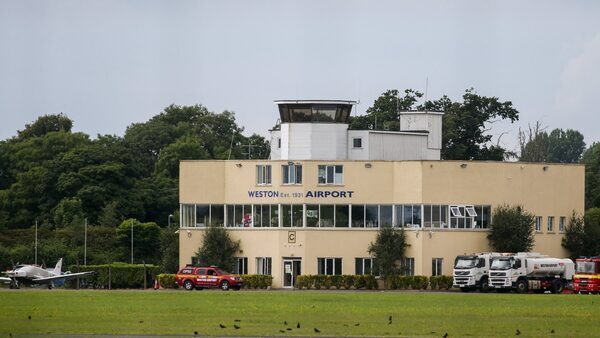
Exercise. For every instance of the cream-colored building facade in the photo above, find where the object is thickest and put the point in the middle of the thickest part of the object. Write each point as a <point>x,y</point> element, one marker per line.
<point>325,221</point>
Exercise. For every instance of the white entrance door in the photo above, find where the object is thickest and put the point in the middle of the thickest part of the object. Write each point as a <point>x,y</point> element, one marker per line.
<point>291,270</point>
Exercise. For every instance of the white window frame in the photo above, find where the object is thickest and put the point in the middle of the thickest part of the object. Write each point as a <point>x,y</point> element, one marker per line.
<point>538,223</point>
<point>330,261</point>
<point>550,224</point>
<point>264,265</point>
<point>410,262</point>
<point>470,211</point>
<point>362,261</point>
<point>328,168</point>
<point>360,140</point>
<point>434,263</point>
<point>292,171</point>
<point>244,265</point>
<point>263,174</point>
<point>455,213</point>
<point>561,223</point>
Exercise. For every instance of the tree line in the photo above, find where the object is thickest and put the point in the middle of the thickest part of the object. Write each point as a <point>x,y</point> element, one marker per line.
<point>63,179</point>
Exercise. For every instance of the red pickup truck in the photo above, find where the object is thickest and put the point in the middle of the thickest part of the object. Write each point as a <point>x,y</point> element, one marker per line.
<point>207,277</point>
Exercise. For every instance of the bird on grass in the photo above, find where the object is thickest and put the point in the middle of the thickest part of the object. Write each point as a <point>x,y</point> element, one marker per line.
<point>195,333</point>
<point>281,331</point>
<point>317,330</point>
<point>357,324</point>
<point>445,335</point>
<point>285,322</point>
<point>237,320</point>
<point>298,326</point>
<point>141,322</point>
<point>222,326</point>
<point>236,327</point>
<point>29,317</point>
<point>552,331</point>
<point>289,329</point>
<point>390,319</point>
<point>517,333</point>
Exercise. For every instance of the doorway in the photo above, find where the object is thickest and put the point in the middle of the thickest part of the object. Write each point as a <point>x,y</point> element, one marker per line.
<point>292,268</point>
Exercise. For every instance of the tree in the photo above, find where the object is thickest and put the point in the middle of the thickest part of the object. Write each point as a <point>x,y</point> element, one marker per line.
<point>217,248</point>
<point>557,147</point>
<point>574,239</point>
<point>387,250</point>
<point>533,144</point>
<point>591,159</point>
<point>169,249</point>
<point>464,135</point>
<point>591,229</point>
<point>146,240</point>
<point>384,113</point>
<point>511,229</point>
<point>46,124</point>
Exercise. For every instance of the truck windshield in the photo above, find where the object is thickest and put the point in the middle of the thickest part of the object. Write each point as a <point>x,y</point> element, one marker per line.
<point>465,263</point>
<point>586,267</point>
<point>501,264</point>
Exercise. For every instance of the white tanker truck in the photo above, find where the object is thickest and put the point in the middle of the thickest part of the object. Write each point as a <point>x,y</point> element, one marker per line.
<point>526,271</point>
<point>471,272</point>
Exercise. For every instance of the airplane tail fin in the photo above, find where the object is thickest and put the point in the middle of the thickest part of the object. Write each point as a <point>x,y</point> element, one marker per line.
<point>58,268</point>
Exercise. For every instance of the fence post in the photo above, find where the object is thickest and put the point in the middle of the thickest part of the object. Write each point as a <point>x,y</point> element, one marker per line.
<point>109,277</point>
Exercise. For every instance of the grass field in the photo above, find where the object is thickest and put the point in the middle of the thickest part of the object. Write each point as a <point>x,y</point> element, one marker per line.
<point>334,313</point>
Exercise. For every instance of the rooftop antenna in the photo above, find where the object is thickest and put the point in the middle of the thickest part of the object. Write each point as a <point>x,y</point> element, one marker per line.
<point>426,88</point>
<point>249,153</point>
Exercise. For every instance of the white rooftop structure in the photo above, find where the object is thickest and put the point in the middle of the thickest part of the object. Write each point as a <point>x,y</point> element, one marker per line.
<point>318,130</point>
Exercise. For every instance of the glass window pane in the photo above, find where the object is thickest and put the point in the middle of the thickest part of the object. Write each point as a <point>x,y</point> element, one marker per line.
<point>286,214</point>
<point>386,215</point>
<point>322,174</point>
<point>230,216</point>
<point>367,266</point>
<point>417,215</point>
<point>329,266</point>
<point>285,170</point>
<point>358,216</point>
<point>274,215</point>
<point>297,215</point>
<point>217,214</point>
<point>358,266</point>
<point>326,217</point>
<point>202,212</point>
<point>298,174</point>
<point>258,215</point>
<point>330,174</point>
<point>427,217</point>
<point>339,174</point>
<point>399,216</point>
<point>408,212</point>
<point>372,216</point>
<point>338,266</point>
<point>444,216</point>
<point>341,215</point>
<point>312,215</point>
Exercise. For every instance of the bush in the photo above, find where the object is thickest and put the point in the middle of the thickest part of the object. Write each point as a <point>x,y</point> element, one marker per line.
<point>392,282</point>
<point>336,281</point>
<point>167,281</point>
<point>359,282</point>
<point>419,282</point>
<point>319,281</point>
<point>122,275</point>
<point>434,282</point>
<point>347,281</point>
<point>257,281</point>
<point>370,282</point>
<point>446,282</point>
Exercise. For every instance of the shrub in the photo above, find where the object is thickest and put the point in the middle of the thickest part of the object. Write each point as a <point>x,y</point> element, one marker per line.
<point>347,281</point>
<point>360,282</point>
<point>434,282</point>
<point>393,282</point>
<point>446,282</point>
<point>319,281</point>
<point>336,281</point>
<point>257,281</point>
<point>419,282</point>
<point>167,281</point>
<point>122,275</point>
<point>370,282</point>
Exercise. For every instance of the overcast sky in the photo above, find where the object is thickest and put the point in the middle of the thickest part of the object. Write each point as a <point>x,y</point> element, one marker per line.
<point>107,64</point>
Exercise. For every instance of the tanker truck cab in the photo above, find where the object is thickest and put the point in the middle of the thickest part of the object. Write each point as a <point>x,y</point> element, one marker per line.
<point>471,272</point>
<point>504,272</point>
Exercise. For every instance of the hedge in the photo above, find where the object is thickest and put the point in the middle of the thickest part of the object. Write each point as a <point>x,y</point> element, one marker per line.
<point>167,281</point>
<point>122,275</point>
<point>257,281</point>
<point>368,282</point>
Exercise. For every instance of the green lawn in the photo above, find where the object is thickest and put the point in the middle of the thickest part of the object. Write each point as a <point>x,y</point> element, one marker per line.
<point>264,312</point>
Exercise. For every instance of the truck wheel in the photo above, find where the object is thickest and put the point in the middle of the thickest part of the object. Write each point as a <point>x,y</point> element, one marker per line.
<point>522,286</point>
<point>188,285</point>
<point>557,286</point>
<point>224,285</point>
<point>485,285</point>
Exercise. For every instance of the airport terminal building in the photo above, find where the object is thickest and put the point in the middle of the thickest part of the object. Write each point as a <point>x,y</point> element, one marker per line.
<point>317,204</point>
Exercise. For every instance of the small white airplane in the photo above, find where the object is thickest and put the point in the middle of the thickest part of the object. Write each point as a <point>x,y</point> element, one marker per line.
<point>32,274</point>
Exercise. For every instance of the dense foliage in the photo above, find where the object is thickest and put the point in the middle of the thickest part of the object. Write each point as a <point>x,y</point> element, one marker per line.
<point>512,229</point>
<point>559,146</point>
<point>387,250</point>
<point>217,248</point>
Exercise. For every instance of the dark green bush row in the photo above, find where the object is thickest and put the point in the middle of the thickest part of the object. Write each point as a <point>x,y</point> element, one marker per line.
<point>257,281</point>
<point>122,275</point>
<point>167,281</point>
<point>337,281</point>
<point>419,282</point>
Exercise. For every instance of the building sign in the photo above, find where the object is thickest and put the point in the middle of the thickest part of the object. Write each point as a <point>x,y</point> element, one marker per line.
<point>291,237</point>
<point>309,194</point>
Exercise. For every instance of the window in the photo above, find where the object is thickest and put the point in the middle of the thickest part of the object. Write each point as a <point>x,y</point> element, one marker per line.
<point>265,215</point>
<point>462,216</point>
<point>312,215</point>
<point>358,216</point>
<point>407,266</point>
<point>363,266</point>
<point>292,215</point>
<point>292,174</point>
<point>326,218</point>
<point>217,215</point>
<point>202,215</point>
<point>327,215</point>
<point>278,143</point>
<point>385,215</point>
<point>435,216</point>
<point>342,215</point>
<point>550,224</point>
<point>263,174</point>
<point>331,174</point>
<point>484,215</point>
<point>408,215</point>
<point>561,223</point>
<point>436,266</point>
<point>187,215</point>
<point>241,265</point>
<point>329,266</point>
<point>263,265</point>
<point>357,142</point>
<point>239,215</point>
<point>538,223</point>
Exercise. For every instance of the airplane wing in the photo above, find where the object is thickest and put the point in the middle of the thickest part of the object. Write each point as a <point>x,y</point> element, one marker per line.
<point>5,280</point>
<point>65,276</point>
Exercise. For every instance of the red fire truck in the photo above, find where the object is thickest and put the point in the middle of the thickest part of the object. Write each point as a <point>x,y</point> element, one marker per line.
<point>587,275</point>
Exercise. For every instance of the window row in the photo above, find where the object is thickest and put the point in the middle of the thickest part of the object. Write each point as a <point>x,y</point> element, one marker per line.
<point>562,223</point>
<point>328,266</point>
<point>292,174</point>
<point>338,215</point>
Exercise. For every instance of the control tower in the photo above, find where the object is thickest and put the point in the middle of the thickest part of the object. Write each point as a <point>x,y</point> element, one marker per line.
<point>318,130</point>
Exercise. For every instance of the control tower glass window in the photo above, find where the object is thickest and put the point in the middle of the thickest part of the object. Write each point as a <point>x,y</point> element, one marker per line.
<point>314,112</point>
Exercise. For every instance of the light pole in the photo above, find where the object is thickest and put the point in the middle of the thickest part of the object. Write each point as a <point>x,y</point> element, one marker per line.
<point>132,242</point>
<point>85,243</point>
<point>169,220</point>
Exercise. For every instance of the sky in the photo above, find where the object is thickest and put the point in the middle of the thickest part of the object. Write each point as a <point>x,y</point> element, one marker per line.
<point>108,64</point>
